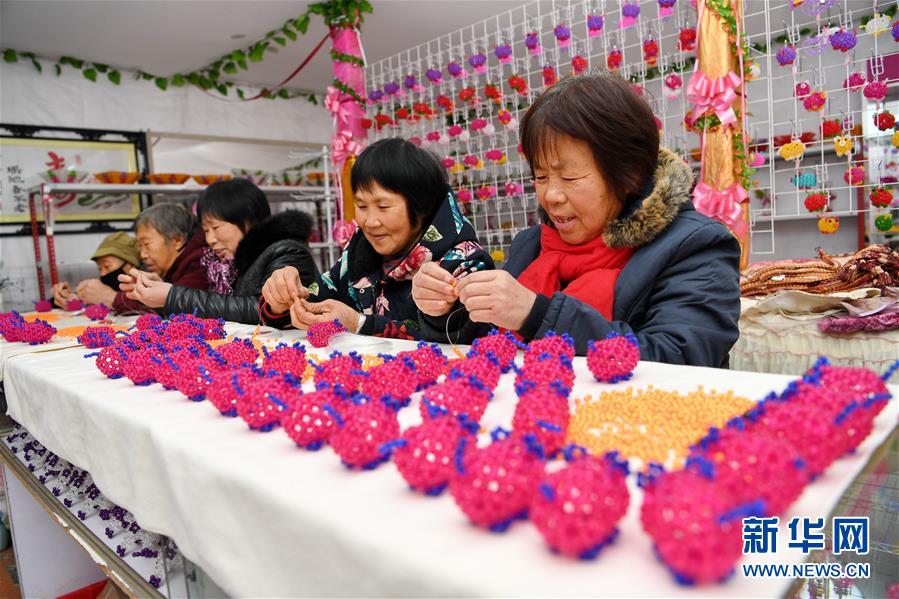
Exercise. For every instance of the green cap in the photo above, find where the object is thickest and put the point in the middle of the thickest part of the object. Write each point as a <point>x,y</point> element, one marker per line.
<point>120,245</point>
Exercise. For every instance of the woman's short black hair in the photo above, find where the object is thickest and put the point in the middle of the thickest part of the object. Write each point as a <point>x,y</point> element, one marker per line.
<point>402,167</point>
<point>603,110</point>
<point>236,201</point>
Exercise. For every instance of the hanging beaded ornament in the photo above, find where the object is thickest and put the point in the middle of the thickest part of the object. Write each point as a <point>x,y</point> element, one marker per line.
<point>504,346</point>
<point>544,413</point>
<point>96,311</point>
<point>425,454</point>
<point>456,397</point>
<point>613,359</point>
<point>875,91</point>
<point>786,56</point>
<point>366,427</point>
<point>594,25</point>
<point>311,419</point>
<point>73,305</point>
<point>577,508</point>
<point>494,485</point>
<point>549,76</point>
<point>695,525</point>
<point>319,334</point>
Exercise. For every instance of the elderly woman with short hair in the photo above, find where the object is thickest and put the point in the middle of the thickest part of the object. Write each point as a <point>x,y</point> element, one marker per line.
<point>171,247</point>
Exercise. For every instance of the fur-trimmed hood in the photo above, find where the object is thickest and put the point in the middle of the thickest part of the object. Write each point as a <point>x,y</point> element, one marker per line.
<point>290,224</point>
<point>645,219</point>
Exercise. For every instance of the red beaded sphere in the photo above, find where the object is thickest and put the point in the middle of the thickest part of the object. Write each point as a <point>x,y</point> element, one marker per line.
<point>426,455</point>
<point>37,332</point>
<point>196,379</point>
<point>430,363</point>
<point>319,334</point>
<point>455,397</point>
<point>503,346</point>
<point>484,368</point>
<point>140,367</point>
<point>310,420</point>
<point>365,429</point>
<point>577,508</point>
<point>111,361</point>
<point>43,306</point>
<point>394,379</point>
<point>546,369</point>
<point>614,358</point>
<point>685,514</point>
<point>238,352</point>
<point>147,321</point>
<point>552,344</point>
<point>97,337</point>
<point>496,483</point>
<point>264,401</point>
<point>544,413</point>
<point>226,387</point>
<point>286,359</point>
<point>340,370</point>
<point>96,311</point>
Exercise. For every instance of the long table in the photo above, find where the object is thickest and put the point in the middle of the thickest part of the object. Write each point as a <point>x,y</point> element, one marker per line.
<point>264,518</point>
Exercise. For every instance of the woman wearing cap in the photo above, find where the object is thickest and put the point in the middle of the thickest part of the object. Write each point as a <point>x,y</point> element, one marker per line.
<point>116,255</point>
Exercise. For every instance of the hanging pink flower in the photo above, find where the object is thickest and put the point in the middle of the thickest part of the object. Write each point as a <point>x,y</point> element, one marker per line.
<point>433,136</point>
<point>448,163</point>
<point>477,124</point>
<point>464,194</point>
<point>485,192</point>
<point>803,89</point>
<point>514,189</point>
<point>549,75</point>
<point>876,91</point>
<point>504,116</point>
<point>532,43</point>
<point>471,160</point>
<point>629,13</point>
<point>855,175</point>
<point>454,131</point>
<point>594,25</point>
<point>854,82</point>
<point>579,64</point>
<point>503,53</point>
<point>478,63</point>
<point>434,76</point>
<point>815,101</point>
<point>494,155</point>
<point>456,70</point>
<point>563,35</point>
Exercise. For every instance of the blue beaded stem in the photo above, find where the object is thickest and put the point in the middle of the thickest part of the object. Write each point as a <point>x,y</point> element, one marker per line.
<point>333,414</point>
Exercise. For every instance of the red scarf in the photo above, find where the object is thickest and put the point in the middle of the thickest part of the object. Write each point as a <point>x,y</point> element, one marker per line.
<point>588,271</point>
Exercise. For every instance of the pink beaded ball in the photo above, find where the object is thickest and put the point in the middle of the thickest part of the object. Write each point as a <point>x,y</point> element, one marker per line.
<point>96,311</point>
<point>485,368</point>
<point>111,361</point>
<point>311,419</point>
<point>552,344</point>
<point>425,455</point>
<point>213,328</point>
<point>365,429</point>
<point>546,369</point>
<point>395,379</point>
<point>801,426</point>
<point>11,325</point>
<point>97,337</point>
<point>173,364</point>
<point>238,352</point>
<point>147,321</point>
<point>265,400</point>
<point>751,466</point>
<point>140,367</point>
<point>37,332</point>
<point>455,397</point>
<point>195,380</point>
<point>495,485</point>
<point>694,526</point>
<point>43,306</point>
<point>503,346</point>
<point>73,305</point>
<point>319,334</point>
<point>614,358</point>
<point>340,370</point>
<point>227,386</point>
<point>430,362</point>
<point>286,359</point>
<point>545,414</point>
<point>577,508</point>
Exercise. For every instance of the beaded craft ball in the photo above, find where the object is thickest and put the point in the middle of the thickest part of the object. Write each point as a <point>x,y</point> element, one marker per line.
<point>147,321</point>
<point>456,397</point>
<point>484,368</point>
<point>366,428</point>
<point>425,455</point>
<point>694,526</point>
<point>310,420</point>
<point>751,466</point>
<point>430,362</point>
<point>494,485</point>
<point>614,358</point>
<point>111,360</point>
<point>194,381</point>
<point>858,381</point>
<point>96,311</point>
<point>213,328</point>
<point>43,306</point>
<point>11,325</point>
<point>286,359</point>
<point>37,332</point>
<point>577,508</point>
<point>504,346</point>
<point>238,352</point>
<point>542,412</point>
<point>171,365</point>
<point>546,369</point>
<point>97,337</point>
<point>140,367</point>
<point>551,343</point>
<point>264,401</point>
<point>319,335</point>
<point>395,379</point>
<point>73,305</point>
<point>340,370</point>
<point>227,386</point>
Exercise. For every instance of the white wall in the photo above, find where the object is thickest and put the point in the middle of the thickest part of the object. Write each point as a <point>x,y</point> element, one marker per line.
<point>31,98</point>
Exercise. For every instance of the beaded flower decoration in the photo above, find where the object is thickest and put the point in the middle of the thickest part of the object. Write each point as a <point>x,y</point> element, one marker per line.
<point>613,359</point>
<point>96,311</point>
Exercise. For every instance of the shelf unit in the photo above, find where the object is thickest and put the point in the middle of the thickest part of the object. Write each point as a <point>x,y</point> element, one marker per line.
<point>322,197</point>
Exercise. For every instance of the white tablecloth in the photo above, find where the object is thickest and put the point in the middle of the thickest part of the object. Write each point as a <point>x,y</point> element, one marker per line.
<point>264,518</point>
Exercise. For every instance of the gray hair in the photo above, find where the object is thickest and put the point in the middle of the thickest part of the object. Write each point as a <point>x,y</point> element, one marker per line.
<point>171,220</point>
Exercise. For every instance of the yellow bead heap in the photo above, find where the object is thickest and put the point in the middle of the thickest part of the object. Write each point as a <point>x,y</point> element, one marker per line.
<point>650,424</point>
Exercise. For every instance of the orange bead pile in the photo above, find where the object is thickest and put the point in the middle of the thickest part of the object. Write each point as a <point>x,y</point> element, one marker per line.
<point>652,425</point>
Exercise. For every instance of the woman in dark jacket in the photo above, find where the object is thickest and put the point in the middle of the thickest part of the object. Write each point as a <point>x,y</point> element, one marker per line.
<point>622,249</point>
<point>407,217</point>
<point>246,245</point>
